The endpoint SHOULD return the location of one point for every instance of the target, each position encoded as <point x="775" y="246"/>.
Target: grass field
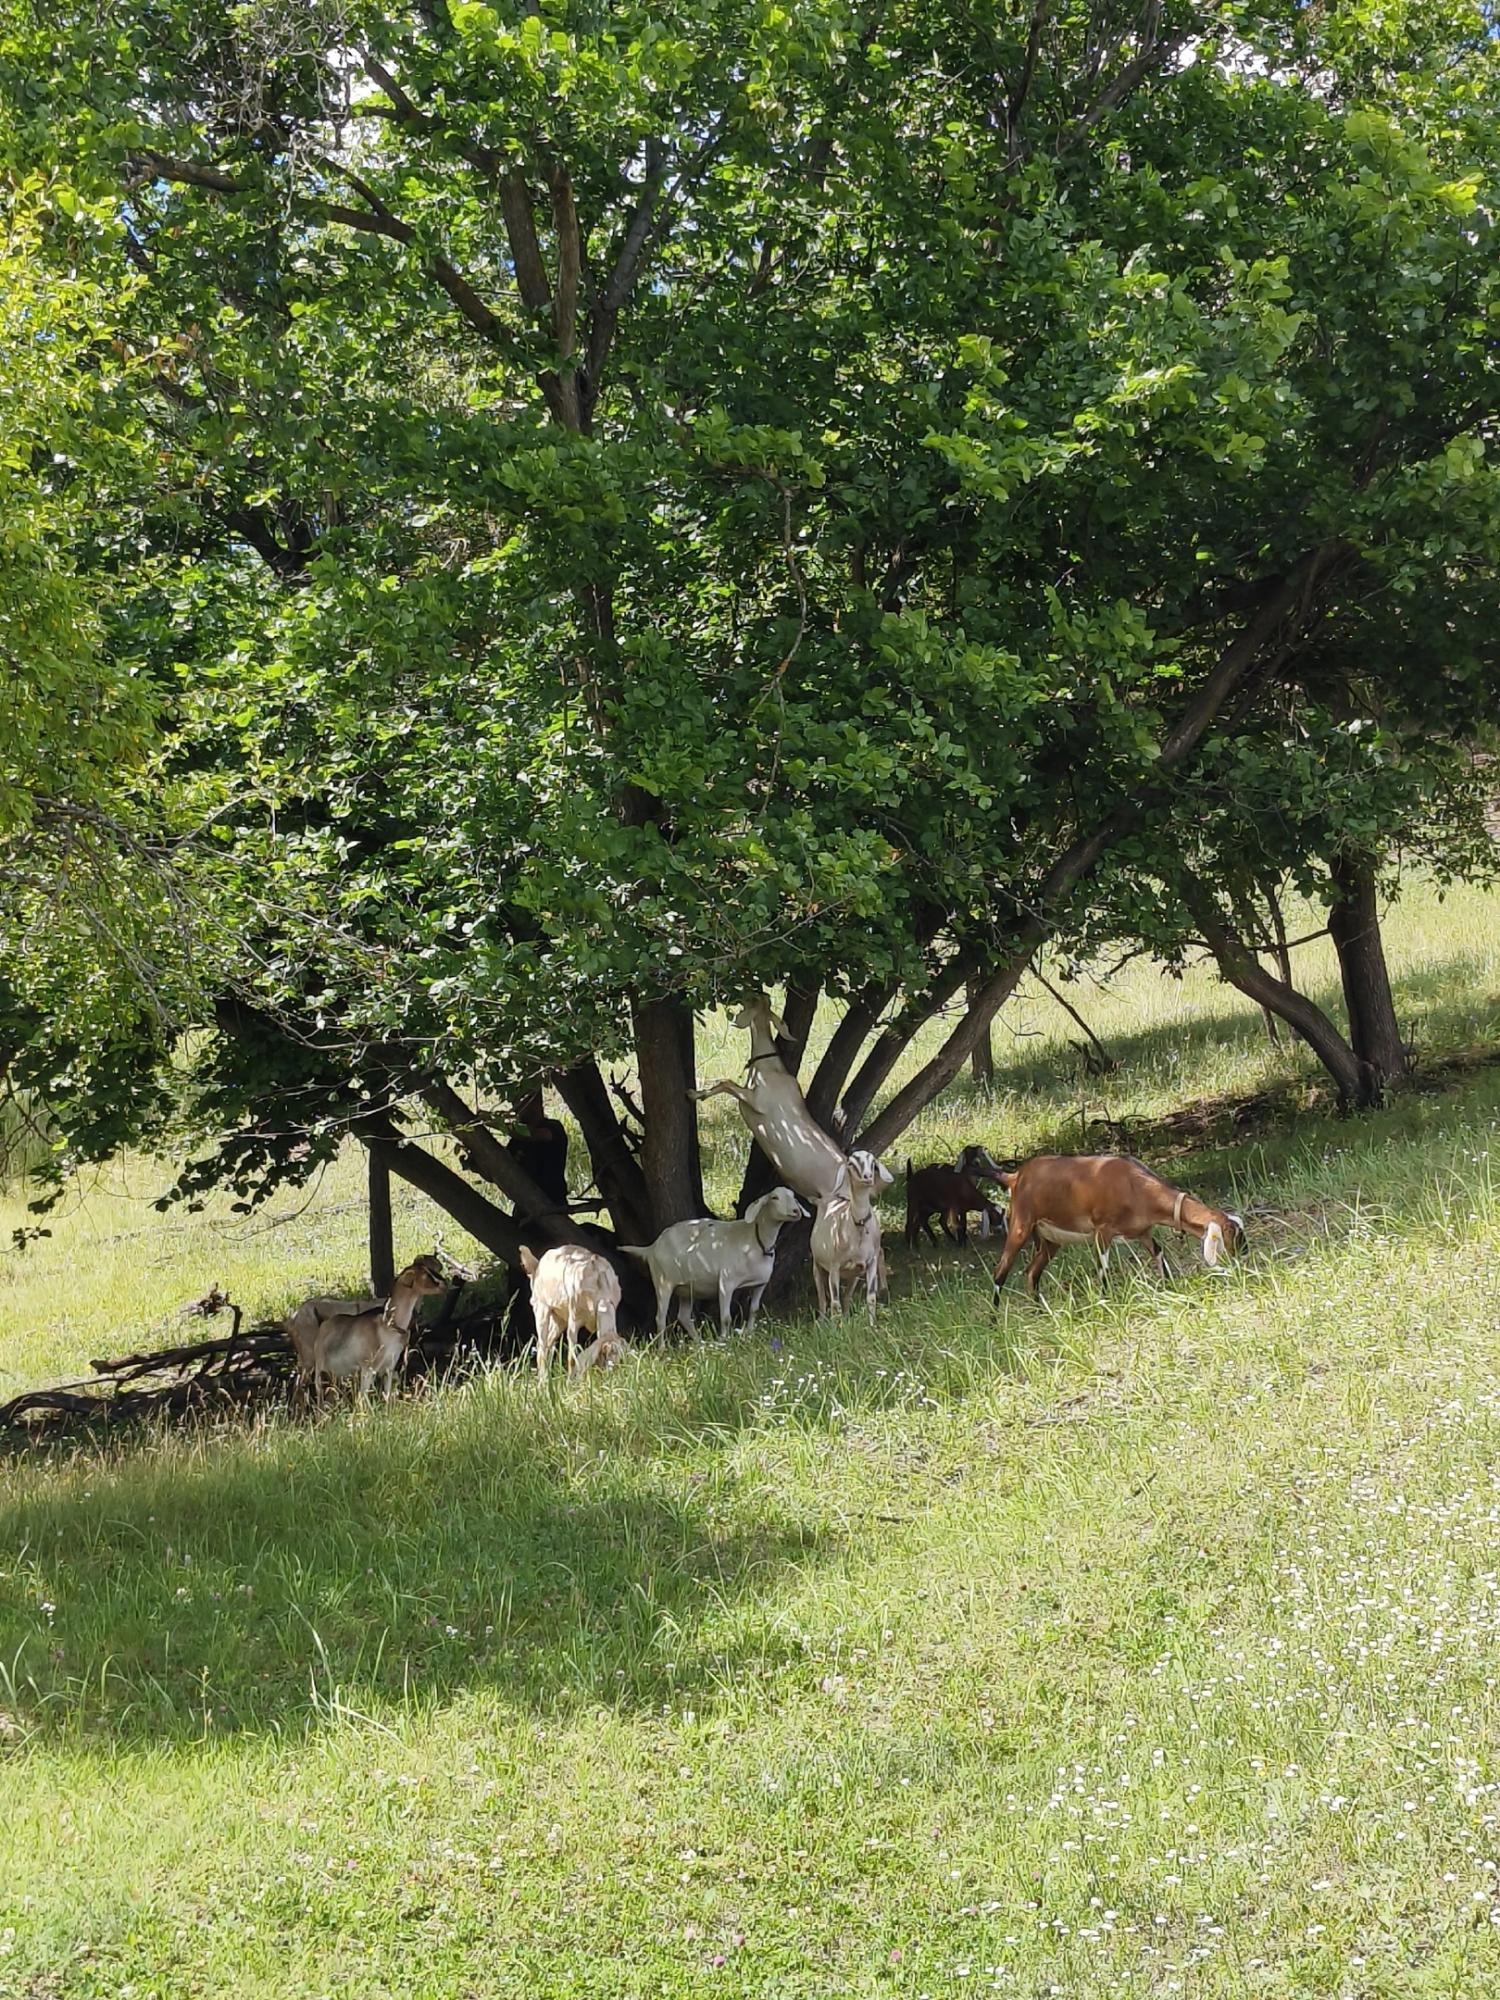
<point x="1143" y="1642"/>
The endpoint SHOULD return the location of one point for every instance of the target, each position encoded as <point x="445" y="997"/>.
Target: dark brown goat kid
<point x="952" y="1194"/>
<point x="1103" y="1199"/>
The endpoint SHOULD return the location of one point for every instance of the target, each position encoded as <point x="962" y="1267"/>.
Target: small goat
<point x="773" y="1107"/>
<point x="705" y="1260"/>
<point x="1103" y="1199"/>
<point x="846" y="1235"/>
<point x="952" y="1194"/>
<point x="301" y="1327"/>
<point x="370" y="1343"/>
<point x="570" y="1288"/>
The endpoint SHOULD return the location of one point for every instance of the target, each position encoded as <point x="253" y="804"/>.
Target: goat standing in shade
<point x="846" y="1235"/>
<point x="371" y="1343"/>
<point x="711" y="1259"/>
<point x="1103" y="1199"/>
<point x="571" y="1289"/>
<point x="952" y="1194"/>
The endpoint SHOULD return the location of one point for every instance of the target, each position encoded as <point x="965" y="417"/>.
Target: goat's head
<point x="780" y="1205"/>
<point x="1225" y="1231"/>
<point x="865" y="1167"/>
<point x="977" y="1163"/>
<point x="422" y="1277"/>
<point x="758" y="1012"/>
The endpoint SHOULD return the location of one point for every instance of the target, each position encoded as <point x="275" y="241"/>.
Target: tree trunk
<point x="982" y="1061"/>
<point x="670" y="1158"/>
<point x="382" y="1245"/>
<point x="1354" y="926"/>
<point x="617" y="1171"/>
<point x="848" y="1038"/>
<point x="1275" y="625"/>
<point x="893" y="1042"/>
<point x="1243" y="970"/>
<point x="536" y="1210"/>
<point x="486" y="1223"/>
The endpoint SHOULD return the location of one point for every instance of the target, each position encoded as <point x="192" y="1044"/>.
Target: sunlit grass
<point x="1142" y="1642"/>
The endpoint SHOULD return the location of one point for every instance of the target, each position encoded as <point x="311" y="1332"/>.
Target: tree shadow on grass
<point x="1155" y="1057"/>
<point x="260" y="1583"/>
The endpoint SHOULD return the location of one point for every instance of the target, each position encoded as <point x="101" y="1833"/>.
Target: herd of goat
<point x="1054" y="1200"/>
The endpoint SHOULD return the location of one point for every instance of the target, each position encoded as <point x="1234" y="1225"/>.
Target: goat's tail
<point x="908" y="1166"/>
<point x="641" y="1250"/>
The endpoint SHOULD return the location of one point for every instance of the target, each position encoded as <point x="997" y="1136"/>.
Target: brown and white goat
<point x="1103" y="1199"/>
<point x="772" y="1105"/>
<point x="370" y="1343"/>
<point x="952" y="1194"/>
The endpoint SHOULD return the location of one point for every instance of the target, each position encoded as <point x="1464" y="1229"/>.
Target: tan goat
<point x="1103" y="1199"/>
<point x="370" y="1343"/>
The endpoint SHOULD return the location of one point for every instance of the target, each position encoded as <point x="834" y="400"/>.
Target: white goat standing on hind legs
<point x="773" y="1106"/>
<point x="846" y="1235"/>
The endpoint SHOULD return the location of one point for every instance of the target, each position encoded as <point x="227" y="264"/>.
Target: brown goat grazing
<point x="952" y="1194"/>
<point x="1103" y="1199"/>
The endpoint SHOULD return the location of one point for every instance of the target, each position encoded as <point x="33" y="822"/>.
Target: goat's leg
<point x="1045" y="1252"/>
<point x="755" y="1299"/>
<point x="820" y="1286"/>
<point x="1101" y="1251"/>
<point x="726" y="1300"/>
<point x="725" y="1087"/>
<point x="572" y="1336"/>
<point x="1159" y="1254"/>
<point x="872" y="1284"/>
<point x="1015" y="1243"/>
<point x="547" y="1330"/>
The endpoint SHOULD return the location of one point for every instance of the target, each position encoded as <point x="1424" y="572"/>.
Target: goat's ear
<point x="528" y="1261"/>
<point x="1213" y="1243"/>
<point x="778" y="1025"/>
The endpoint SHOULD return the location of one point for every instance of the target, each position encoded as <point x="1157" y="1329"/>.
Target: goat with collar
<point x="1103" y="1199"/>
<point x="846" y="1235"/>
<point x="710" y="1259"/>
<point x="371" y="1343"/>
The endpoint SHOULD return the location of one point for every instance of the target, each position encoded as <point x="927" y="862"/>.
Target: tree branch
<point x="1277" y="623"/>
<point x="184" y="173"/>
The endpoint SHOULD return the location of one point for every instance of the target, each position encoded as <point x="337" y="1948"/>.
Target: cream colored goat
<point x="846" y="1235"/>
<point x="370" y="1343"/>
<point x="773" y="1106"/>
<point x="711" y="1259"/>
<point x="570" y="1288"/>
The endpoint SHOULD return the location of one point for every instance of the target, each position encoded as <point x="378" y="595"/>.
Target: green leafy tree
<point x="649" y="505"/>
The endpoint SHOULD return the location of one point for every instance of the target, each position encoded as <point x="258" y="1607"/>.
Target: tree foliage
<point x="634" y="506"/>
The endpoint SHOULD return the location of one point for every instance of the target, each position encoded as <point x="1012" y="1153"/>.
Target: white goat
<point x="773" y="1106"/>
<point x="846" y="1235"/>
<point x="705" y="1260"/>
<point x="570" y="1288"/>
<point x="370" y="1343"/>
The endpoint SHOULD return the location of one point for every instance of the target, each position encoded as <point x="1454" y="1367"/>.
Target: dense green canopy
<point x="614" y="508"/>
